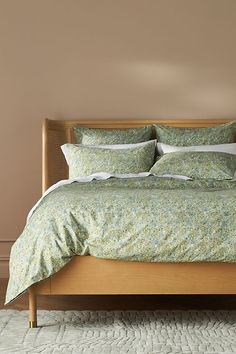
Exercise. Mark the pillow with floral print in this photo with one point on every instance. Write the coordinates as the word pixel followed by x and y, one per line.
pixel 88 136
pixel 219 134
pixel 196 165
pixel 85 160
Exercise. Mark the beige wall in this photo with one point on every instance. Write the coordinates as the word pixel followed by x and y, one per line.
pixel 103 59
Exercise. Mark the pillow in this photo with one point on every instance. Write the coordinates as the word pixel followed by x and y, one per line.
pixel 86 160
pixel 216 165
pixel 87 136
pixel 166 149
pixel 219 134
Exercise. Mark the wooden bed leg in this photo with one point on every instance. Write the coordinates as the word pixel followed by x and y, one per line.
pixel 32 309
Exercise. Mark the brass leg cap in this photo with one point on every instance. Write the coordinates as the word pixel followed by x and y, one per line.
pixel 32 324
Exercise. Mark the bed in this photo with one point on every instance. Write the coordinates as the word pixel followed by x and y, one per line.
pixel 112 277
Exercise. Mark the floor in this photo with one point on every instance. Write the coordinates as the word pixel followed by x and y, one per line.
pixel 123 332
pixel 145 302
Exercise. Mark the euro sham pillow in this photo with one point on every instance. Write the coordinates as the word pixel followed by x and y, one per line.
pixel 166 149
pixel 85 160
pixel 88 136
pixel 196 165
pixel 219 134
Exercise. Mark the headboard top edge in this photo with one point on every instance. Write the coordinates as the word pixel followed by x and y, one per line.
pixel 122 123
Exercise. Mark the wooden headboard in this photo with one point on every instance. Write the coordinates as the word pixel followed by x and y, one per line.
pixel 59 132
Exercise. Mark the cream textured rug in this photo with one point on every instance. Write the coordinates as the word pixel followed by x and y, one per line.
pixel 79 332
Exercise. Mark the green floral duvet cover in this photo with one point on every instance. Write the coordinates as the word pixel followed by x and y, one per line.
pixel 147 219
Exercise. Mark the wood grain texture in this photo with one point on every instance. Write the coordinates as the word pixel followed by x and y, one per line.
pixel 32 309
pixel 120 302
pixel 90 275
pixel 43 287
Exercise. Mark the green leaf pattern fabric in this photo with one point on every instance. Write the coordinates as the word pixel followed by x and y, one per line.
pixel 88 136
pixel 217 165
pixel 219 134
pixel 84 161
pixel 147 219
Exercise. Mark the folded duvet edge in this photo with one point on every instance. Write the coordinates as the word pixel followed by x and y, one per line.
pixel 98 176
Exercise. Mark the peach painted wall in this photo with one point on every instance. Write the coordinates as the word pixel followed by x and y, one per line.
pixel 103 59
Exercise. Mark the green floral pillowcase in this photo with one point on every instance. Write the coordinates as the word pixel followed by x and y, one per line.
pixel 88 136
pixel 85 160
pixel 220 134
pixel 196 165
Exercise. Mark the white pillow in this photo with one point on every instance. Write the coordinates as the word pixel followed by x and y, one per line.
pixel 166 149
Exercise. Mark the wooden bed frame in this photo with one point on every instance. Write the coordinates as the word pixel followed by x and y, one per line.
pixel 88 275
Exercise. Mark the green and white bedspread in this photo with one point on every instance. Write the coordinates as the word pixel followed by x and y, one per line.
pixel 147 219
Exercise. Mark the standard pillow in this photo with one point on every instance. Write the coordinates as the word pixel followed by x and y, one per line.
pixel 216 165
pixel 219 134
pixel 87 136
pixel 166 149
pixel 86 160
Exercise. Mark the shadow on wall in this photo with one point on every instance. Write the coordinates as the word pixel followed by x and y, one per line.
pixel 186 87
pixel 130 58
pixel 172 90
